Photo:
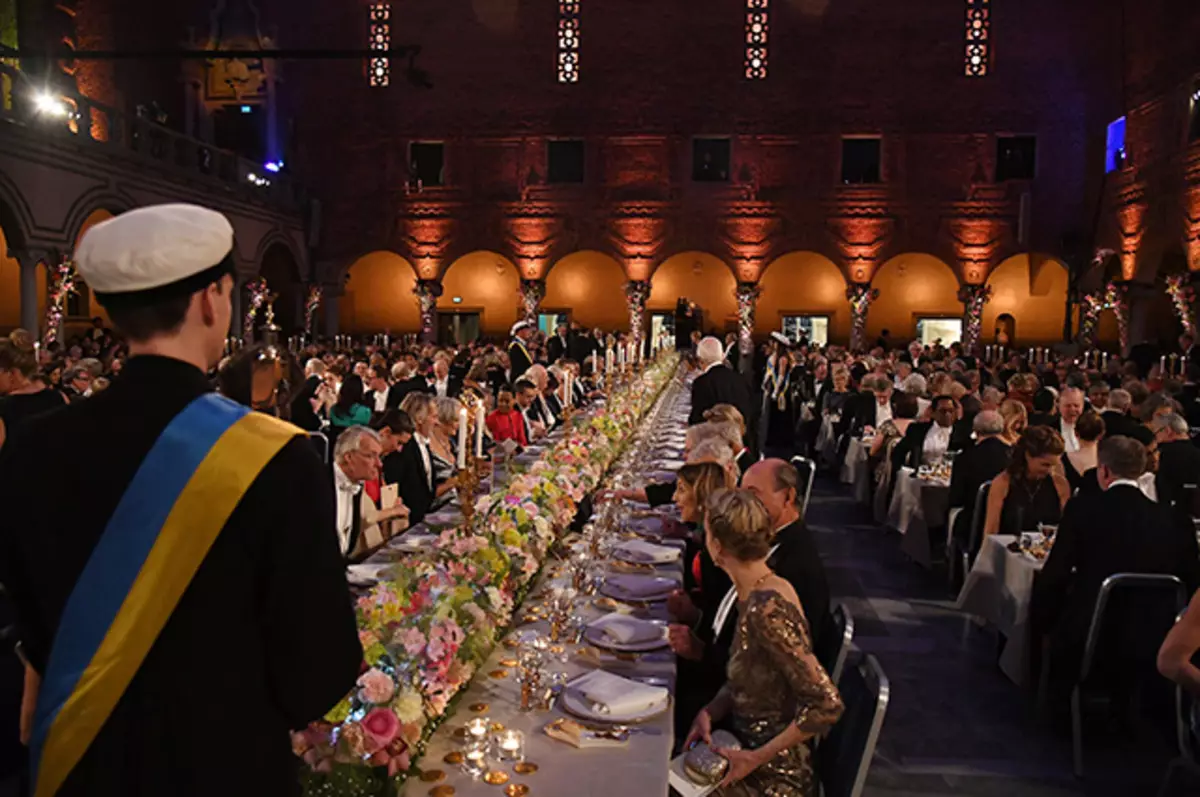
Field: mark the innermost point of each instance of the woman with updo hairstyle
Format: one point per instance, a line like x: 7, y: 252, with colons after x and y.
x: 22, y: 393
x: 1033, y: 490
x: 777, y: 696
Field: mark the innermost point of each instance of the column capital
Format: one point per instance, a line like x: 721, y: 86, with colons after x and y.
x: 30, y: 256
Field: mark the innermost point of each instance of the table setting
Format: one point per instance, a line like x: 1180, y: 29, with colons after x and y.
x: 920, y: 502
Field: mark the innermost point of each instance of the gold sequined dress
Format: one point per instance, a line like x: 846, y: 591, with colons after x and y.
x: 774, y: 680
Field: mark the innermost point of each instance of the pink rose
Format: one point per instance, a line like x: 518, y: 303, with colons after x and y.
x: 380, y: 726
x: 375, y: 687
x: 413, y: 640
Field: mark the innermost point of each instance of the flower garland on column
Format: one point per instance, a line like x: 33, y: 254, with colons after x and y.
x: 63, y: 285
x: 973, y: 297
x: 311, y: 304
x: 258, y: 297
x: 1114, y: 297
x: 427, y: 293
x: 860, y: 295
x: 747, y: 304
x: 637, y: 293
x: 1183, y: 296
x: 532, y: 292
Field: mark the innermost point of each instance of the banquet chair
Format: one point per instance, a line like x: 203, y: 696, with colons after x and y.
x: 808, y: 473
x: 967, y: 555
x: 320, y: 442
x: 843, y: 757
x: 835, y: 641
x: 1132, y: 615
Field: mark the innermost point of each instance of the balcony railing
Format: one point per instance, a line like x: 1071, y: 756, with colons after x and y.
x: 80, y: 118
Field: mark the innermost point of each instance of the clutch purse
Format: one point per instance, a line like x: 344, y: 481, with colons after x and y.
x: 704, y: 766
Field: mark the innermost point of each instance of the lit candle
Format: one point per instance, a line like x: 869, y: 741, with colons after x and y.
x: 479, y: 422
x: 608, y: 360
x: 620, y: 355
x: 462, y: 439
x: 1162, y: 366
x: 1105, y: 361
x: 478, y: 727
x: 511, y: 745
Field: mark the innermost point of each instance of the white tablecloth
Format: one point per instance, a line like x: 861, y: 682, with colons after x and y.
x: 998, y: 589
x: 917, y: 505
x: 855, y: 471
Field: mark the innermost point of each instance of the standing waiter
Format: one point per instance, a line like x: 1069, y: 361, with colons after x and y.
x: 197, y: 593
x: 519, y: 359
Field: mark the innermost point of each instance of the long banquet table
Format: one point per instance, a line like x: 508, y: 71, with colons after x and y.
x: 639, y: 766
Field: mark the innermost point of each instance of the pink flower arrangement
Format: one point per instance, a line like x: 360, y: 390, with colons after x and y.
x: 375, y: 687
x: 380, y: 726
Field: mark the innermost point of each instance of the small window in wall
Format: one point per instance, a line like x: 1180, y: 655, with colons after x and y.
x: 710, y: 160
x: 548, y: 322
x: 427, y: 162
x: 1194, y: 113
x: 811, y: 328
x: 1114, y: 147
x: 1016, y: 158
x: 939, y: 330
x: 861, y: 160
x: 564, y: 161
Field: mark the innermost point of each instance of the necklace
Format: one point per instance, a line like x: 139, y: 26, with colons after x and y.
x: 1031, y: 493
x: 760, y: 580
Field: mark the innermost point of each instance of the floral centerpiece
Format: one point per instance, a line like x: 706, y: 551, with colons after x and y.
x: 436, y: 616
x: 63, y: 278
x: 1183, y: 297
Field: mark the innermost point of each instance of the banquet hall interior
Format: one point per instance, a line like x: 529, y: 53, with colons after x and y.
x: 975, y: 193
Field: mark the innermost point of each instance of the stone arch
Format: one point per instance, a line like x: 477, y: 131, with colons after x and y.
x: 911, y: 286
x: 701, y: 277
x: 278, y: 238
x: 85, y: 208
x: 15, y: 215
x: 83, y: 306
x: 279, y: 268
x: 589, y: 285
x: 484, y: 282
x: 803, y: 283
x: 379, y: 295
x: 1031, y: 287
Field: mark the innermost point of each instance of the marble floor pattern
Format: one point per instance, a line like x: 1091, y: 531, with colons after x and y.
x: 955, y: 724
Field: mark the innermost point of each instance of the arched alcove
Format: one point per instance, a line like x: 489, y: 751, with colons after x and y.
x: 10, y: 287
x: 912, y: 286
x: 590, y: 287
x: 83, y: 307
x: 282, y: 273
x: 486, y: 283
x: 379, y: 296
x: 1032, y: 288
x: 702, y: 278
x: 803, y: 284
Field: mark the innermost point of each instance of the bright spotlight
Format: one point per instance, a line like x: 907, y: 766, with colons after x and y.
x: 48, y: 105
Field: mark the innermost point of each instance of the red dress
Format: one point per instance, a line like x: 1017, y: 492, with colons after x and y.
x: 507, y: 426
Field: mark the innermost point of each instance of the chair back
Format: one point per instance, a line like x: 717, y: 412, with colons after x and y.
x: 835, y: 641
x: 843, y: 758
x: 807, y: 470
x: 1132, y: 615
x: 978, y: 519
x: 1189, y: 500
x: 320, y: 442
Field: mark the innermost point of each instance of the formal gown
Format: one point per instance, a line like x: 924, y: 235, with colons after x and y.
x: 442, y: 470
x: 775, y: 680
x: 1028, y: 504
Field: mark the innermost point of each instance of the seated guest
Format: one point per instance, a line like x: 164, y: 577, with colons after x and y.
x: 1045, y: 406
x: 443, y: 450
x: 413, y: 472
x: 356, y: 460
x: 703, y: 583
x: 1178, y: 460
x: 1118, y: 530
x: 871, y: 415
x: 1070, y: 407
x: 976, y: 465
x: 1116, y: 414
x: 1179, y: 650
x: 1032, y: 489
x: 916, y: 385
x: 376, y: 396
x: 1088, y: 431
x: 305, y: 402
x: 1016, y: 420
x: 525, y: 393
x: 395, y: 429
x: 405, y: 380
x: 926, y: 442
x: 777, y: 697
x: 540, y: 409
x: 990, y: 398
x: 505, y: 422
x: 349, y: 410
x: 22, y: 394
x: 77, y: 383
x: 259, y: 377
x: 729, y: 414
x: 441, y: 384
x: 904, y: 414
x: 836, y: 400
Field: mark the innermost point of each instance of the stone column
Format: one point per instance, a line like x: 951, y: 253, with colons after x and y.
x: 29, y: 261
x: 637, y: 293
x: 747, y: 294
x: 427, y: 293
x: 860, y: 295
x: 974, y: 298
x: 532, y: 293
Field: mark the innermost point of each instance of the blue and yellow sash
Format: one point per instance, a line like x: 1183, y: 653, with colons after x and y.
x: 164, y: 525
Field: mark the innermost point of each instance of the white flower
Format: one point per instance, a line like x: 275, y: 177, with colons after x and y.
x: 409, y: 707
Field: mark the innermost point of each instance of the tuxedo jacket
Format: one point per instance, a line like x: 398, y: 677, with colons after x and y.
x: 518, y: 361
x: 977, y: 464
x: 408, y: 472
x: 397, y: 392
x: 1178, y: 464
x: 302, y: 411
x: 910, y: 450
x: 720, y: 385
x: 557, y: 348
x: 454, y: 386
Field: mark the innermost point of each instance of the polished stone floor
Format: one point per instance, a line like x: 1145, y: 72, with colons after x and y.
x: 955, y: 724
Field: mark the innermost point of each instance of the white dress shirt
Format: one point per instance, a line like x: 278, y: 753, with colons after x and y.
x: 937, y: 441
x: 1068, y: 435
x: 883, y: 413
x: 381, y: 400
x: 731, y: 598
x: 423, y: 447
x: 347, y: 493
x: 441, y: 386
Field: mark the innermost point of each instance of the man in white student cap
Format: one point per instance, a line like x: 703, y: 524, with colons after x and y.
x: 519, y: 358
x: 200, y: 567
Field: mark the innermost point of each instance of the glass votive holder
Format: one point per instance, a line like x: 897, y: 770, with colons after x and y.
x: 509, y: 745
x: 478, y: 729
x: 475, y: 755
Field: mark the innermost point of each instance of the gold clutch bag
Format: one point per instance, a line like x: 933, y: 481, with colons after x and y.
x: 704, y: 766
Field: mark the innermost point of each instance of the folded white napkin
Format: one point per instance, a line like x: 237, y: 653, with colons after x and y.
x: 619, y: 695
x: 629, y: 630
x: 640, y: 586
x: 366, y: 573
x: 644, y: 551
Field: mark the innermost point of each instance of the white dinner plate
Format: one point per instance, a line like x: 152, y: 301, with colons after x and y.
x: 573, y: 703
x: 613, y: 589
x: 640, y: 558
x: 597, y: 637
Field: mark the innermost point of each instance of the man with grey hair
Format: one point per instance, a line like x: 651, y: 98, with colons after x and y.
x: 303, y: 414
x: 990, y: 398
x: 356, y: 459
x: 718, y: 384
x: 1178, y: 459
x: 1070, y: 407
x: 976, y: 465
x: 1118, y: 530
x: 1116, y: 414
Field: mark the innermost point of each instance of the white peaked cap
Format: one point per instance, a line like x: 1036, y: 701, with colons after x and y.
x: 517, y: 327
x: 153, y: 247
